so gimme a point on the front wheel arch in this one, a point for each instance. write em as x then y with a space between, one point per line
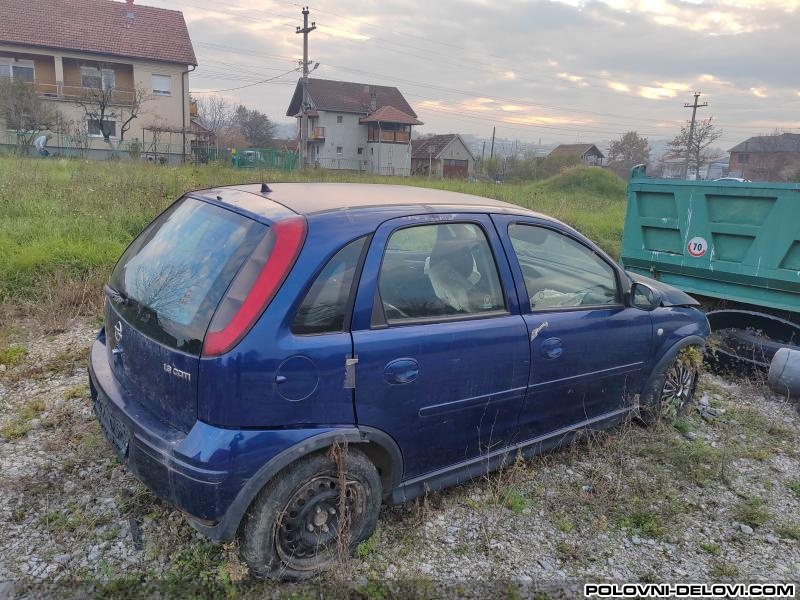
648 400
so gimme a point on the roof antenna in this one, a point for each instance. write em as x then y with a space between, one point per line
265 189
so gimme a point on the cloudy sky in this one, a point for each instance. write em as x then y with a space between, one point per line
560 70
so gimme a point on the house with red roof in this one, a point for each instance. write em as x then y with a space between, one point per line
355 126
65 48
444 155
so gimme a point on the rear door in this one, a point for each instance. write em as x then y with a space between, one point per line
161 297
442 350
588 350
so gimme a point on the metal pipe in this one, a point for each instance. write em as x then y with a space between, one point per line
183 110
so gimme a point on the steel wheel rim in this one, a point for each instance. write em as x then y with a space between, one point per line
307 529
678 388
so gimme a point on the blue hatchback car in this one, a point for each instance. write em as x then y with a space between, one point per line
277 360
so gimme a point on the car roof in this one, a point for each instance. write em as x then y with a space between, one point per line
314 198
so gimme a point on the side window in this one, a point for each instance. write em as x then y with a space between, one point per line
325 306
435 271
560 272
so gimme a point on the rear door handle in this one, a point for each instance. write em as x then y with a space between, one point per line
280 379
401 371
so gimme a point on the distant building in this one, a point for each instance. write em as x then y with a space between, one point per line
442 156
355 126
64 49
767 158
588 153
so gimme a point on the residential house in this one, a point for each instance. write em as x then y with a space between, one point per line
589 154
65 48
767 158
355 126
442 156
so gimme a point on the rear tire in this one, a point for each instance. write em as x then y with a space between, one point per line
669 392
292 529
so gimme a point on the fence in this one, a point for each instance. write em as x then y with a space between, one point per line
249 158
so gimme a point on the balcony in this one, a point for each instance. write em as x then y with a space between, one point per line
389 133
69 79
317 134
54 90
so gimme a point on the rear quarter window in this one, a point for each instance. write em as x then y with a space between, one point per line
177 270
326 305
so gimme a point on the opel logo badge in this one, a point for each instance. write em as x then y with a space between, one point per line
118 331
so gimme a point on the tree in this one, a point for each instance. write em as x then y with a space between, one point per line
24 112
255 126
111 112
628 151
705 134
214 113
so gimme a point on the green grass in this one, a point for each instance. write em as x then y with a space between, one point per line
64 223
752 512
514 501
711 548
12 356
794 486
789 531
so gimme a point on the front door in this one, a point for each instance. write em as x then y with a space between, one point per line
588 350
441 347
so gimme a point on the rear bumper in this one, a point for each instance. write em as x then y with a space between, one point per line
209 473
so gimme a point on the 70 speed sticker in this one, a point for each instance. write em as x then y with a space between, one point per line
697 246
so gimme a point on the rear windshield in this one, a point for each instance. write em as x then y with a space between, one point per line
175 273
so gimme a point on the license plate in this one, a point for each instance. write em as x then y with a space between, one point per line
114 429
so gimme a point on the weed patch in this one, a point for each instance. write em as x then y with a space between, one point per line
752 512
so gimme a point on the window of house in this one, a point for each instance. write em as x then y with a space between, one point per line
18 69
338 149
439 272
360 150
94 77
339 119
95 129
162 85
560 272
743 157
325 307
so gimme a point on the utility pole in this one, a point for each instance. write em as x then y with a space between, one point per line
694 106
305 30
491 152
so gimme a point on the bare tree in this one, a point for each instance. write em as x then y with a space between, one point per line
111 112
214 113
77 136
705 134
24 112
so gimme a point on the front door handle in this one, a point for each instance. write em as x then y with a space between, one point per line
401 371
551 348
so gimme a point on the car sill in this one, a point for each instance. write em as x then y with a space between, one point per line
480 465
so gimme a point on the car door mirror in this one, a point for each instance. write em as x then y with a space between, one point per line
643 297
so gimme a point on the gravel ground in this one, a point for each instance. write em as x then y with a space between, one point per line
713 498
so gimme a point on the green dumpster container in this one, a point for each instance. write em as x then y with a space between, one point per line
727 240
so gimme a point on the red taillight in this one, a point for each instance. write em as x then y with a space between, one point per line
255 285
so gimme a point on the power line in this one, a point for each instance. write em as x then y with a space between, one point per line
241 87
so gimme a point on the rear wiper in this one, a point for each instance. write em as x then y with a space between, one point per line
117 296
